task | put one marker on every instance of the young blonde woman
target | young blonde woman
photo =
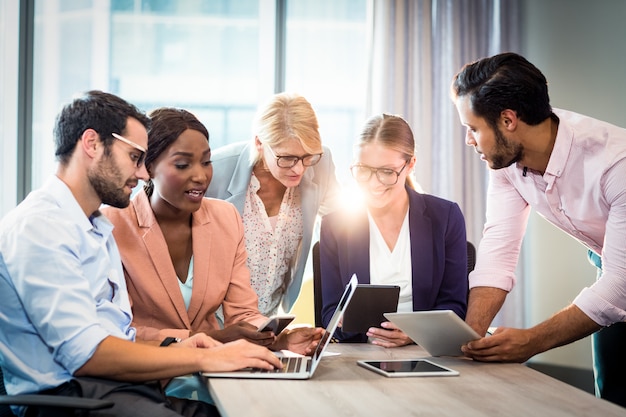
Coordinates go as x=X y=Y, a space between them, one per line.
x=399 y=236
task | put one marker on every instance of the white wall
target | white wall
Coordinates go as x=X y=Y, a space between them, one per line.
x=580 y=46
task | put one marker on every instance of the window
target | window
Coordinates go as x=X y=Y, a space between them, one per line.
x=9 y=19
x=326 y=55
x=216 y=59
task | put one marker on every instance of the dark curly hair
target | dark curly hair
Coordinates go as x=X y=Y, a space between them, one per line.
x=504 y=81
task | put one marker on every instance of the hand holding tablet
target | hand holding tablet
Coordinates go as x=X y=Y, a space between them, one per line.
x=439 y=332
x=368 y=305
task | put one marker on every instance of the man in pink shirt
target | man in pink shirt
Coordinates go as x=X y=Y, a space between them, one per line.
x=572 y=170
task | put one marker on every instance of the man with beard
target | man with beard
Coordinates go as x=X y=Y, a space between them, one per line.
x=572 y=170
x=64 y=309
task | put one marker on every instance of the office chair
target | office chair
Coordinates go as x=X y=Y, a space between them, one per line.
x=317 y=285
x=471 y=257
x=63 y=404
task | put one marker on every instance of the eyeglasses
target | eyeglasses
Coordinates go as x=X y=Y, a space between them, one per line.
x=290 y=161
x=137 y=159
x=386 y=176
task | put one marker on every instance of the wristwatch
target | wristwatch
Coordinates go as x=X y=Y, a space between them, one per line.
x=169 y=340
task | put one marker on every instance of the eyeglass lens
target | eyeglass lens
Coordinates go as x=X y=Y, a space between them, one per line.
x=364 y=173
x=291 y=161
x=138 y=159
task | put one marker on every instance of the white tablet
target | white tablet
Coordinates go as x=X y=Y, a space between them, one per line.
x=440 y=332
x=407 y=367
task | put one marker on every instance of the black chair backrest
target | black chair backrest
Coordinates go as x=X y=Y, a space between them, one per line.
x=471 y=257
x=317 y=285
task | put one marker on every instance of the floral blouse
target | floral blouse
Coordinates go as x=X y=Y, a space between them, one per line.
x=272 y=244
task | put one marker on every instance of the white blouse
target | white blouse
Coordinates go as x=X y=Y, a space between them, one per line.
x=272 y=244
x=392 y=267
x=186 y=287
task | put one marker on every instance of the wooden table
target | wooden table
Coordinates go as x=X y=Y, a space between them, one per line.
x=342 y=388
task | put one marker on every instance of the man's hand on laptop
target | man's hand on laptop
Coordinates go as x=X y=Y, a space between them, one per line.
x=388 y=335
x=237 y=355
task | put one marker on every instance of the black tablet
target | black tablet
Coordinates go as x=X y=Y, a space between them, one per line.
x=368 y=305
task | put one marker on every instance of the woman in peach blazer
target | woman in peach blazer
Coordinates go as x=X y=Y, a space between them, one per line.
x=220 y=275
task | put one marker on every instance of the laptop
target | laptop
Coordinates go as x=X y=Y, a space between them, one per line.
x=439 y=332
x=298 y=367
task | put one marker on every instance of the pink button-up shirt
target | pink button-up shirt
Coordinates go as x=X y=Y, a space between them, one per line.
x=583 y=193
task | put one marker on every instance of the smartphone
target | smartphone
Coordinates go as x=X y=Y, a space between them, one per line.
x=277 y=323
x=407 y=367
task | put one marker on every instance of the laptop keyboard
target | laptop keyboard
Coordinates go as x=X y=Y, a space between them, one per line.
x=290 y=364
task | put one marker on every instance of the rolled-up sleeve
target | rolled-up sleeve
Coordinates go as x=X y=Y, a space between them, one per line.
x=56 y=295
x=498 y=252
x=605 y=301
x=61 y=289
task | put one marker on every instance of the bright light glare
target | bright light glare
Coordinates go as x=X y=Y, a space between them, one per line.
x=351 y=197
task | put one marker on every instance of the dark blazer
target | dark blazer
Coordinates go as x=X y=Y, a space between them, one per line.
x=438 y=256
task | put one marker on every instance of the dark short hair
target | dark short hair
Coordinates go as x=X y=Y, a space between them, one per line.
x=504 y=81
x=103 y=112
x=167 y=124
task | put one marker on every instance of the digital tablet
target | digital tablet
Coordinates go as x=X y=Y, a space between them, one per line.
x=440 y=332
x=368 y=305
x=277 y=323
x=407 y=367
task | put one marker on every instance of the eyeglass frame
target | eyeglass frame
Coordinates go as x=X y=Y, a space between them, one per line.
x=375 y=170
x=296 y=158
x=140 y=148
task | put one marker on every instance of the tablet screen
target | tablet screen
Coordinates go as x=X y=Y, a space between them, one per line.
x=408 y=367
x=368 y=305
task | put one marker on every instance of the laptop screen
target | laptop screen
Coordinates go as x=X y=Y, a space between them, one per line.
x=334 y=321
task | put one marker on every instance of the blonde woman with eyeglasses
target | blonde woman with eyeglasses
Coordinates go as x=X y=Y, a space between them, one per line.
x=398 y=237
x=280 y=182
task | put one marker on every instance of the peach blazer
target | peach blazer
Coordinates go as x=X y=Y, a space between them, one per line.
x=220 y=274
